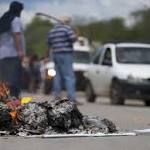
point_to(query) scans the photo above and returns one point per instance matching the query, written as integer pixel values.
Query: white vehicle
(120, 71)
(81, 63)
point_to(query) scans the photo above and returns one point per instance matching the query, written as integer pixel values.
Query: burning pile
(59, 116)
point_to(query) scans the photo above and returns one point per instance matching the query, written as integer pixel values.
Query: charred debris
(55, 117)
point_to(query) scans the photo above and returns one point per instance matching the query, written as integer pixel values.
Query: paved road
(134, 115)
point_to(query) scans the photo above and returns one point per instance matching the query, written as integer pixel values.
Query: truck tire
(116, 94)
(147, 102)
(89, 92)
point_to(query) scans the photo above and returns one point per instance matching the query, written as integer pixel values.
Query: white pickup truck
(120, 71)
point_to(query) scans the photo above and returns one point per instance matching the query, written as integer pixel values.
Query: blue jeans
(64, 74)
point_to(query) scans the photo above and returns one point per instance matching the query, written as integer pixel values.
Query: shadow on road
(128, 103)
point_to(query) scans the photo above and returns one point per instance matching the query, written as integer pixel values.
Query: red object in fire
(13, 104)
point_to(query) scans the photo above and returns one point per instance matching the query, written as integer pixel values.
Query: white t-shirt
(7, 45)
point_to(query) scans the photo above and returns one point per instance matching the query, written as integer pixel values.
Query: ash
(56, 117)
(5, 117)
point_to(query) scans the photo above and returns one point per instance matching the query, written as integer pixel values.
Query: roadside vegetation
(102, 31)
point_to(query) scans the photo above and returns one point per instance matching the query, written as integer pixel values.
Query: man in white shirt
(12, 47)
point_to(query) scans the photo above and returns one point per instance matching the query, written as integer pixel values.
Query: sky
(97, 9)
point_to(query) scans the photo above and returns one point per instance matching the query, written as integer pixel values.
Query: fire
(13, 115)
(4, 91)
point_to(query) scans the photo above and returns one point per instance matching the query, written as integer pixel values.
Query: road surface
(134, 115)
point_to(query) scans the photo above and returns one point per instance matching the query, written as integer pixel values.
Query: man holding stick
(60, 41)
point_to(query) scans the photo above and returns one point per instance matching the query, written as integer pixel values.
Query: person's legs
(68, 75)
(57, 79)
(13, 72)
(2, 67)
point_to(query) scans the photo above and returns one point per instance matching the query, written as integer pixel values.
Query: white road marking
(79, 135)
(143, 131)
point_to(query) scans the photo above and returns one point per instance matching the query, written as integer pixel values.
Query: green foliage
(115, 29)
(36, 36)
(102, 31)
(142, 27)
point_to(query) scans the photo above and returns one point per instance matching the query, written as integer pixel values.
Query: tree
(101, 31)
(142, 25)
(36, 36)
(104, 31)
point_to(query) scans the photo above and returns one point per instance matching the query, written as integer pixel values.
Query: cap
(65, 19)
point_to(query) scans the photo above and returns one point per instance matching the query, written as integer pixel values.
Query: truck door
(105, 73)
(94, 71)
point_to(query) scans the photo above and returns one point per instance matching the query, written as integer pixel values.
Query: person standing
(60, 40)
(12, 47)
(34, 71)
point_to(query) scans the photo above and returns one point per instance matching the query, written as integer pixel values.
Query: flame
(4, 90)
(13, 115)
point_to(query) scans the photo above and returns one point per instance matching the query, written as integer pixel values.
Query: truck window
(82, 57)
(96, 59)
(133, 55)
(107, 60)
(97, 56)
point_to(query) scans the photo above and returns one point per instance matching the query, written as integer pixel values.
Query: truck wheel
(116, 94)
(147, 102)
(90, 96)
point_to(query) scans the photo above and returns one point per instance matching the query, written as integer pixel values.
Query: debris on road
(5, 117)
(60, 116)
(52, 118)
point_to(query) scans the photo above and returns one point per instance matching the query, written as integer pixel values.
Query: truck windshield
(133, 55)
(82, 57)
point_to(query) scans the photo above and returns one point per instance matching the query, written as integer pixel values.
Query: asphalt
(134, 115)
